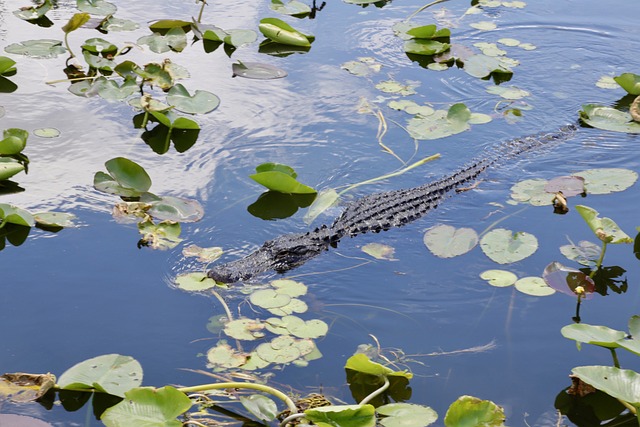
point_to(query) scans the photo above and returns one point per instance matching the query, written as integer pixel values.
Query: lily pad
(111, 373)
(569, 185)
(244, 329)
(284, 349)
(46, 132)
(343, 415)
(269, 298)
(289, 287)
(260, 406)
(283, 33)
(499, 278)
(425, 47)
(14, 215)
(42, 48)
(605, 229)
(9, 167)
(31, 13)
(174, 40)
(511, 92)
(13, 142)
(379, 251)
(293, 325)
(596, 335)
(164, 235)
(257, 71)
(568, 280)
(509, 41)
(607, 180)
(471, 411)
(585, 252)
(148, 406)
(7, 66)
(607, 82)
(392, 86)
(629, 82)
(128, 174)
(445, 241)
(293, 8)
(54, 219)
(490, 49)
(364, 66)
(532, 191)
(504, 246)
(223, 356)
(203, 254)
(194, 282)
(483, 66)
(111, 23)
(280, 178)
(201, 102)
(484, 25)
(608, 118)
(324, 200)
(111, 91)
(623, 384)
(97, 7)
(406, 415)
(76, 21)
(535, 286)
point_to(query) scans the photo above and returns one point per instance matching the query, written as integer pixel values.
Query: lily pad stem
(66, 43)
(290, 418)
(599, 262)
(391, 175)
(377, 392)
(204, 3)
(631, 408)
(614, 355)
(423, 8)
(260, 387)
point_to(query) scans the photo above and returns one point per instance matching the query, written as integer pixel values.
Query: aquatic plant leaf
(379, 251)
(569, 185)
(112, 23)
(535, 286)
(482, 66)
(568, 280)
(605, 229)
(129, 174)
(532, 191)
(326, 198)
(98, 45)
(15, 215)
(343, 415)
(54, 219)
(607, 180)
(223, 356)
(634, 327)
(269, 298)
(76, 21)
(585, 252)
(509, 41)
(445, 241)
(361, 363)
(13, 142)
(427, 32)
(484, 25)
(260, 406)
(411, 107)
(490, 49)
(436, 125)
(284, 349)
(194, 282)
(392, 86)
(471, 411)
(175, 39)
(244, 329)
(629, 82)
(31, 13)
(406, 415)
(593, 334)
(289, 287)
(176, 209)
(98, 62)
(42, 48)
(280, 178)
(504, 246)
(22, 421)
(281, 32)
(293, 8)
(105, 183)
(293, 325)
(148, 406)
(164, 25)
(204, 254)
(9, 167)
(511, 92)
(607, 82)
(608, 118)
(364, 66)
(109, 89)
(257, 71)
(623, 384)
(97, 7)
(294, 306)
(109, 373)
(499, 278)
(7, 65)
(201, 102)
(425, 47)
(164, 235)
(46, 132)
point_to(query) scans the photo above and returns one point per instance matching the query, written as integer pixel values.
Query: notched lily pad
(445, 241)
(504, 246)
(608, 118)
(244, 329)
(535, 286)
(607, 180)
(42, 48)
(499, 278)
(568, 280)
(194, 282)
(223, 356)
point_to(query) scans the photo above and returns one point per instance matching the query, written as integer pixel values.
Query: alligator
(375, 212)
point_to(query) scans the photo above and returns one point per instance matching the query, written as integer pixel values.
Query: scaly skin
(375, 212)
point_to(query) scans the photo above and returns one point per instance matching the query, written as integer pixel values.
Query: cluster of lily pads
(627, 118)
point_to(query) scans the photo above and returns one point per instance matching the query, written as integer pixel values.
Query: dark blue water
(89, 291)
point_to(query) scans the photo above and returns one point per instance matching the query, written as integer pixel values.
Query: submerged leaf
(325, 199)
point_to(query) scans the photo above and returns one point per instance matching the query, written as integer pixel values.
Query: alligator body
(375, 212)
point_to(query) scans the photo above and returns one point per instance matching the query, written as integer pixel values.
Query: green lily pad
(97, 7)
(532, 191)
(295, 305)
(509, 41)
(9, 167)
(608, 118)
(425, 47)
(194, 282)
(164, 235)
(257, 71)
(484, 25)
(244, 329)
(293, 325)
(623, 384)
(364, 66)
(406, 415)
(379, 251)
(128, 174)
(585, 252)
(98, 62)
(343, 415)
(46, 132)
(499, 278)
(593, 334)
(607, 82)
(411, 107)
(174, 40)
(269, 298)
(490, 49)
(471, 411)
(162, 26)
(280, 178)
(535, 286)
(42, 48)
(607, 180)
(111, 91)
(76, 21)
(445, 241)
(99, 46)
(201, 102)
(260, 406)
(605, 229)
(442, 123)
(508, 92)
(31, 13)
(283, 33)
(54, 219)
(629, 82)
(392, 86)
(223, 356)
(482, 66)
(111, 23)
(289, 287)
(111, 373)
(361, 363)
(504, 246)
(293, 8)
(148, 406)
(178, 209)
(204, 254)
(7, 66)
(15, 215)
(324, 200)
(284, 349)
(13, 142)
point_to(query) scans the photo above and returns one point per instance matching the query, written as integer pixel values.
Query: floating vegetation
(446, 241)
(257, 71)
(280, 178)
(363, 66)
(379, 251)
(279, 31)
(505, 246)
